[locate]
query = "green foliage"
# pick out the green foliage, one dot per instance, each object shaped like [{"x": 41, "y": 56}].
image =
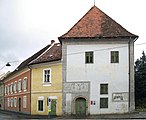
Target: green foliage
[{"x": 140, "y": 81}]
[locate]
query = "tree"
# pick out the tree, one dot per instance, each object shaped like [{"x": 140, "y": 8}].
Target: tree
[{"x": 140, "y": 81}]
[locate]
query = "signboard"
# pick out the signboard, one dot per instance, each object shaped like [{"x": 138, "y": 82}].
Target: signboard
[{"x": 120, "y": 97}]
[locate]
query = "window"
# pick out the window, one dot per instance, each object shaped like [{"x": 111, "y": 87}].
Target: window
[
  {"x": 19, "y": 85},
  {"x": 11, "y": 88},
  {"x": 24, "y": 101},
  {"x": 103, "y": 88},
  {"x": 8, "y": 88},
  {"x": 103, "y": 102},
  {"x": 15, "y": 102},
  {"x": 88, "y": 57},
  {"x": 11, "y": 102},
  {"x": 15, "y": 87},
  {"x": 47, "y": 76},
  {"x": 1, "y": 89},
  {"x": 5, "y": 89},
  {"x": 114, "y": 56},
  {"x": 25, "y": 83},
  {"x": 40, "y": 105},
  {"x": 8, "y": 102}
]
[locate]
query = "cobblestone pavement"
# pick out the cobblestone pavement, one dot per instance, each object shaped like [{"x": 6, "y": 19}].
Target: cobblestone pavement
[{"x": 4, "y": 115}]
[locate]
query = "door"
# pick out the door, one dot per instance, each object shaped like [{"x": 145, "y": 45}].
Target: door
[
  {"x": 19, "y": 103},
  {"x": 81, "y": 106},
  {"x": 53, "y": 107}
]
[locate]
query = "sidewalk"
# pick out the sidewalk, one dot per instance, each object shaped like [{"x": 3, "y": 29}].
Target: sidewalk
[{"x": 136, "y": 115}]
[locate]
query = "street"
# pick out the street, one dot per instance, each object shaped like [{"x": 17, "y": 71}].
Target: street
[{"x": 6, "y": 115}]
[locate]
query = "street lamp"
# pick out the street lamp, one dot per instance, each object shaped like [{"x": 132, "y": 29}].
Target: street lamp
[{"x": 8, "y": 64}]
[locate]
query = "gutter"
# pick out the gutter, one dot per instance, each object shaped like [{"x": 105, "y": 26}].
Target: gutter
[{"x": 30, "y": 87}]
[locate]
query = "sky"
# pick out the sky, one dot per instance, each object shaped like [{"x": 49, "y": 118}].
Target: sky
[{"x": 26, "y": 26}]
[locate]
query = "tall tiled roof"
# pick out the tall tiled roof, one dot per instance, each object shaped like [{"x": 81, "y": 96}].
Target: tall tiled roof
[{"x": 96, "y": 23}]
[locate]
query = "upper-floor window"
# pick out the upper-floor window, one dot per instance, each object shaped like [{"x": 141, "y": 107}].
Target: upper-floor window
[
  {"x": 114, "y": 56},
  {"x": 47, "y": 76},
  {"x": 5, "y": 89},
  {"x": 103, "y": 88},
  {"x": 24, "y": 83},
  {"x": 89, "y": 57},
  {"x": 11, "y": 88},
  {"x": 1, "y": 89},
  {"x": 15, "y": 86},
  {"x": 19, "y": 85}
]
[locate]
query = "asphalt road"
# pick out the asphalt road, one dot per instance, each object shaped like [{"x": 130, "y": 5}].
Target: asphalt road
[{"x": 5, "y": 115}]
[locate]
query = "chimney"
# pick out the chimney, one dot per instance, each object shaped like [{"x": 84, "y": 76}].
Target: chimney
[{"x": 52, "y": 41}]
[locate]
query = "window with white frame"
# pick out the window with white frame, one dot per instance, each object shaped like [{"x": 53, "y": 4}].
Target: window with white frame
[
  {"x": 1, "y": 89},
  {"x": 24, "y": 83},
  {"x": 19, "y": 85},
  {"x": 15, "y": 87},
  {"x": 11, "y": 88},
  {"x": 47, "y": 76},
  {"x": 5, "y": 89},
  {"x": 15, "y": 102},
  {"x": 24, "y": 101},
  {"x": 40, "y": 104},
  {"x": 8, "y": 102},
  {"x": 114, "y": 56},
  {"x": 11, "y": 102},
  {"x": 8, "y": 90}
]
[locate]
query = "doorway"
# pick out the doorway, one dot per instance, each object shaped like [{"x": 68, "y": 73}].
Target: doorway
[
  {"x": 53, "y": 107},
  {"x": 19, "y": 103},
  {"x": 80, "y": 106}
]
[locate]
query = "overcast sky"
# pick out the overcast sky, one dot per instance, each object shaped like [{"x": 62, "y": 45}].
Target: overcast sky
[{"x": 27, "y": 26}]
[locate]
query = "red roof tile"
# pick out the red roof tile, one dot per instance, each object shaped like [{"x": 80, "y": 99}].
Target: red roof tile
[
  {"x": 53, "y": 53},
  {"x": 95, "y": 23}
]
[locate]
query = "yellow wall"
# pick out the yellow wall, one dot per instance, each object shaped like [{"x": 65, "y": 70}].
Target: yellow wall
[{"x": 39, "y": 90}]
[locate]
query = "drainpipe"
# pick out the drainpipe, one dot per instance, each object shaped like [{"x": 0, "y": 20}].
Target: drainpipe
[
  {"x": 129, "y": 42},
  {"x": 30, "y": 87}
]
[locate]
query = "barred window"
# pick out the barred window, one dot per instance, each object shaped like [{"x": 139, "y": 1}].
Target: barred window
[
  {"x": 89, "y": 57},
  {"x": 103, "y": 88},
  {"x": 103, "y": 102},
  {"x": 114, "y": 56}
]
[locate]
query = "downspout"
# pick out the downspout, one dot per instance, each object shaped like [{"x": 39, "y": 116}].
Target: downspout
[
  {"x": 30, "y": 86},
  {"x": 129, "y": 108}
]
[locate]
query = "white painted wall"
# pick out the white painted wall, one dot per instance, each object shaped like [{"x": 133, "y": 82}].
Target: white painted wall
[{"x": 102, "y": 71}]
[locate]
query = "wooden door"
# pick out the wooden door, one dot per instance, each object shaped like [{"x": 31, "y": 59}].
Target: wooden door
[
  {"x": 81, "y": 106},
  {"x": 53, "y": 107}
]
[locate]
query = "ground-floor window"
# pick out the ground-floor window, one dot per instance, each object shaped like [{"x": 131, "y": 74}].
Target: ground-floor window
[
  {"x": 24, "y": 101},
  {"x": 40, "y": 103},
  {"x": 11, "y": 102},
  {"x": 15, "y": 102},
  {"x": 103, "y": 102},
  {"x": 8, "y": 102}
]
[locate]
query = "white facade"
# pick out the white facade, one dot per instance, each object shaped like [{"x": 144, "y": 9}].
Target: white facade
[{"x": 102, "y": 71}]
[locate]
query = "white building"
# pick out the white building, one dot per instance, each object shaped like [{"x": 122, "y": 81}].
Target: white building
[{"x": 98, "y": 66}]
